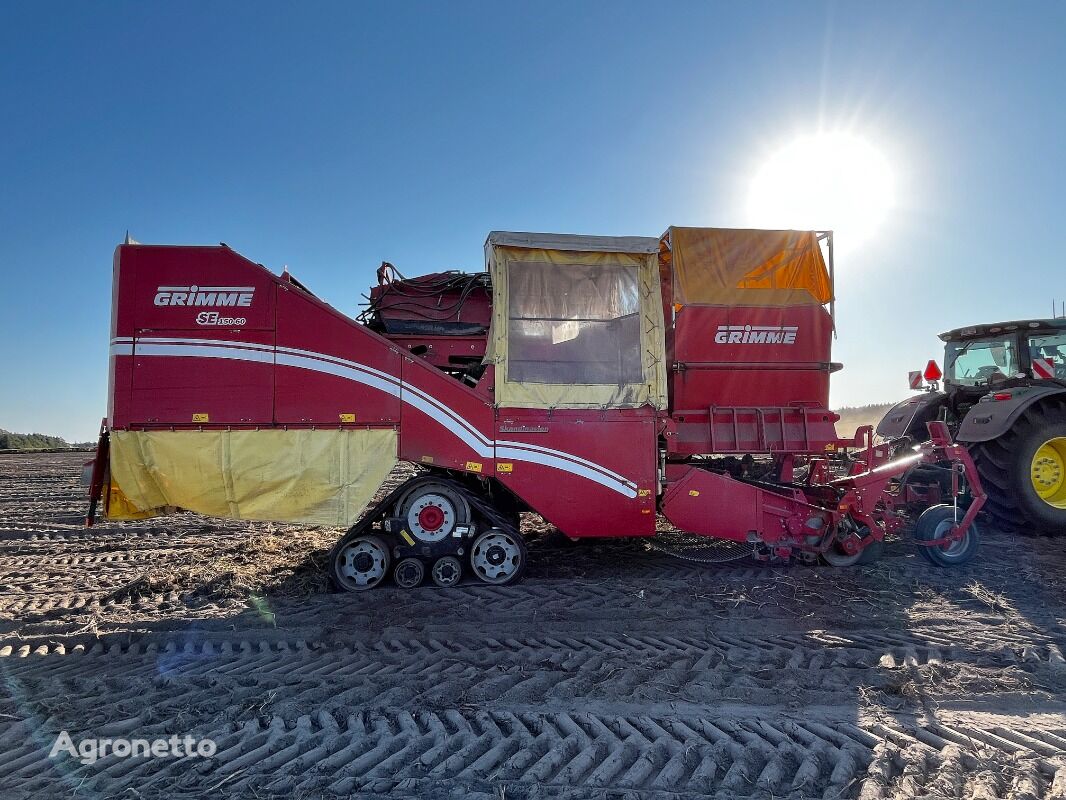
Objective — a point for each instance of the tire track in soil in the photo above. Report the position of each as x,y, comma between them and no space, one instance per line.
611,670
577,754
291,657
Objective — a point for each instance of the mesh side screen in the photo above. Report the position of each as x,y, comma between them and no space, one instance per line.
573,324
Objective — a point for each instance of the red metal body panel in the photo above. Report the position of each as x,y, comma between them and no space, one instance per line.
751,356
445,424
314,379
589,473
174,286
753,430
120,368
761,374
178,311
741,511
201,382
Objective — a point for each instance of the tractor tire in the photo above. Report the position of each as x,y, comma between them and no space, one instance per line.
1024,473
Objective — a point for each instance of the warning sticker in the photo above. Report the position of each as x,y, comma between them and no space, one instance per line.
1043,368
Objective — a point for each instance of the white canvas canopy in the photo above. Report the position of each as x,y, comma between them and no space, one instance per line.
577,321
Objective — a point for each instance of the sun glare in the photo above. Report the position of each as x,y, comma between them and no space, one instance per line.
829,181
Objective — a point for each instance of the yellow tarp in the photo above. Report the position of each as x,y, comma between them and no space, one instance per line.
583,295
734,267
317,477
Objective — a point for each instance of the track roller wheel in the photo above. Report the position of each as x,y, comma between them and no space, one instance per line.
936,522
447,571
498,556
361,564
409,573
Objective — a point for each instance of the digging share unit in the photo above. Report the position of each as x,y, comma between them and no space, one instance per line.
598,381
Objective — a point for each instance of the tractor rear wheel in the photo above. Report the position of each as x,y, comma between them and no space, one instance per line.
1024,472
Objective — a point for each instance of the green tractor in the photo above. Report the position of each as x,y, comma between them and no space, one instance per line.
1004,396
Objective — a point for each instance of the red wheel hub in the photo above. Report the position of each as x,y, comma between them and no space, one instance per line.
431,518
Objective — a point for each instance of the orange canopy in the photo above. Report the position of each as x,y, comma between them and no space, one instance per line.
728,266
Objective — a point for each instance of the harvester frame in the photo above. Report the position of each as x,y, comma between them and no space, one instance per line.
599,381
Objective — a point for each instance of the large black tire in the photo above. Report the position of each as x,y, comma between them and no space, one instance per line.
936,522
1005,466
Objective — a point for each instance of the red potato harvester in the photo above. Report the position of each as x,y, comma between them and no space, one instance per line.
598,381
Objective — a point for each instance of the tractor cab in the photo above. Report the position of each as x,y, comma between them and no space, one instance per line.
983,358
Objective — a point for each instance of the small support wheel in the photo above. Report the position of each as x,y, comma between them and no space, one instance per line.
409,573
361,564
835,556
498,556
872,552
447,571
846,551
937,522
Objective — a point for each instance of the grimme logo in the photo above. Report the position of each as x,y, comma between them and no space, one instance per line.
756,334
204,295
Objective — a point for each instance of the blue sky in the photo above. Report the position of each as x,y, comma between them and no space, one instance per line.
331,136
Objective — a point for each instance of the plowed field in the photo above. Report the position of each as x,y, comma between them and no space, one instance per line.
612,670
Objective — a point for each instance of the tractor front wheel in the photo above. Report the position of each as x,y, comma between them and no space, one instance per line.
1024,473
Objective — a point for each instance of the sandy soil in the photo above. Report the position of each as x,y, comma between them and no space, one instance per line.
613,670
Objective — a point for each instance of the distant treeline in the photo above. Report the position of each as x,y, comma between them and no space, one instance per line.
34,441
852,417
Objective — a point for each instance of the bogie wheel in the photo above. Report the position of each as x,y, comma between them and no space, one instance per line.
431,510
361,564
498,556
1024,472
937,522
447,571
409,573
